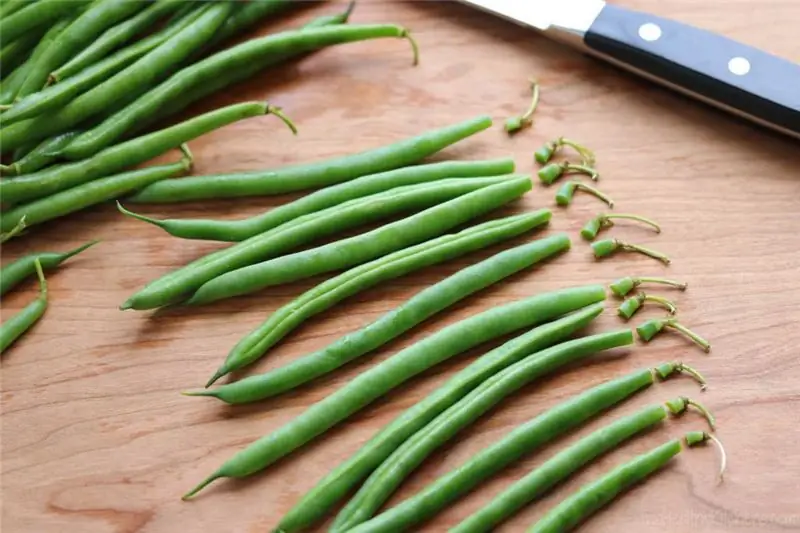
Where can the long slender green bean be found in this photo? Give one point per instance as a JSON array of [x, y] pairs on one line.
[[127, 154], [348, 475], [181, 284], [239, 230], [92, 193], [13, 328], [14, 273], [36, 14], [250, 14], [358, 279], [409, 314], [380, 379], [116, 36], [361, 248], [383, 482], [567, 462], [88, 26], [123, 87], [58, 95], [42, 156], [224, 65], [518, 443]]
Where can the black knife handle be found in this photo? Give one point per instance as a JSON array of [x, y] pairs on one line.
[[718, 70]]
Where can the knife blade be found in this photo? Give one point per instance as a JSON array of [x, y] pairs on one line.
[[714, 69]]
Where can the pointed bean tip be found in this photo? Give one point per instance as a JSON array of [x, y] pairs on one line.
[[222, 371]]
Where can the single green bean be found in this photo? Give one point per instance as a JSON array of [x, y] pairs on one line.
[[623, 286], [250, 14], [383, 482], [14, 273], [361, 248], [123, 87], [358, 279], [224, 65], [36, 14], [12, 84], [181, 284], [127, 154], [117, 36], [385, 376], [605, 221], [60, 94], [92, 193], [17, 325], [344, 478], [561, 466], [409, 314], [239, 230], [521, 441], [592, 497], [86, 28], [40, 157]]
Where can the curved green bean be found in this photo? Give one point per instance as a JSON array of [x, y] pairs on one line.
[[355, 280], [344, 478], [88, 26], [14, 273], [393, 471], [215, 70], [567, 462], [123, 87], [94, 192], [13, 328], [42, 156], [592, 497], [127, 154], [181, 284], [402, 366], [361, 248], [116, 36], [36, 14], [516, 444], [409, 314], [62, 93], [239, 230]]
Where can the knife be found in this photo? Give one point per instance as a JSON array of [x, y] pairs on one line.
[[732, 76]]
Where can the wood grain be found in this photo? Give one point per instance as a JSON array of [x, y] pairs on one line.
[[95, 437]]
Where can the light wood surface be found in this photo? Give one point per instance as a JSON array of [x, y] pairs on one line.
[[96, 438]]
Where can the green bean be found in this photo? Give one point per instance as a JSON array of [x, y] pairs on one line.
[[385, 376], [224, 65], [86, 28], [390, 474], [561, 466], [650, 328], [592, 497], [358, 279], [14, 273], [16, 52], [361, 248], [42, 156], [12, 84], [182, 283], [123, 87], [248, 15], [409, 314], [567, 192], [127, 154], [608, 247], [239, 230], [521, 441], [36, 14], [601, 222], [7, 7], [92, 193], [544, 154], [630, 306], [15, 231], [56, 96], [515, 124], [549, 173], [623, 286], [344, 478], [17, 325], [115, 37]]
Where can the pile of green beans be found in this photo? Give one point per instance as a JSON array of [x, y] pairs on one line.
[[518, 443], [380, 379], [358, 279], [417, 309]]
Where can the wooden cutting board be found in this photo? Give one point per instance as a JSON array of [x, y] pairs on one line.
[[96, 438]]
